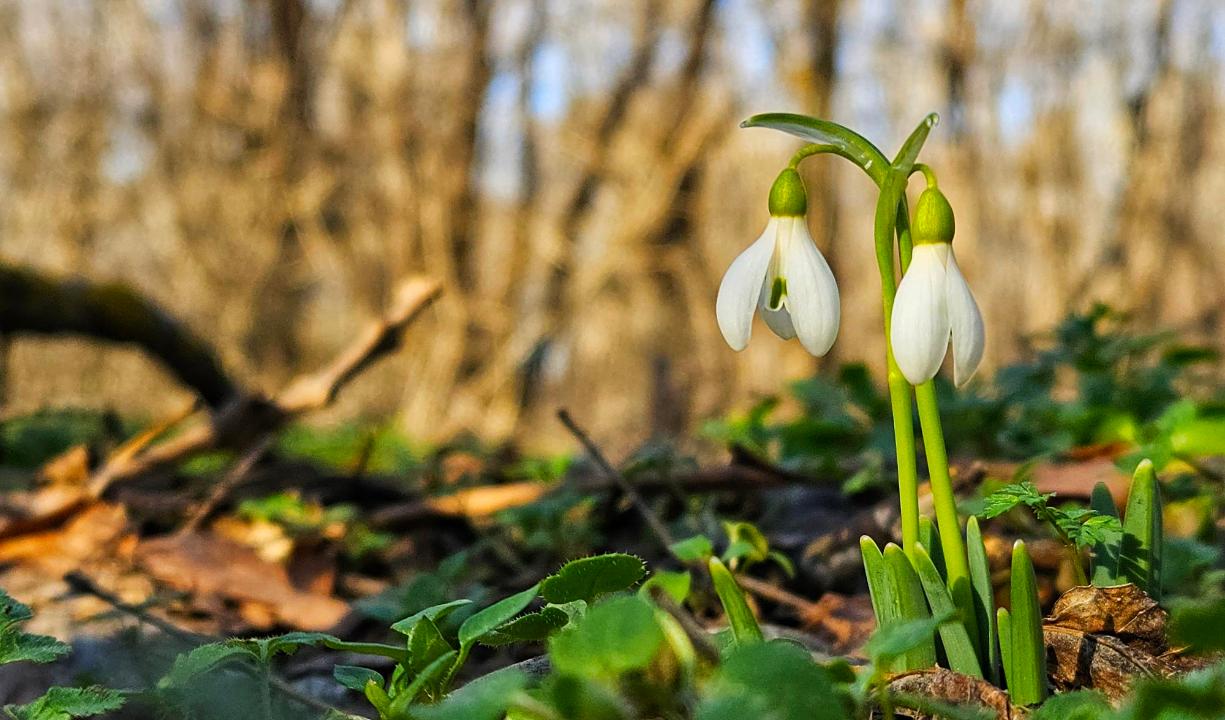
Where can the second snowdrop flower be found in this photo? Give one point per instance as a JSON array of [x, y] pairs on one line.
[[934, 303], [784, 275]]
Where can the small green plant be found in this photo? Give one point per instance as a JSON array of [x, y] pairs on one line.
[[1077, 528], [58, 703]]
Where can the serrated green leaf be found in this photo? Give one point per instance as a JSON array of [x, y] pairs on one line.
[[63, 703], [614, 637], [204, 659], [17, 646], [532, 627], [12, 611], [590, 577]]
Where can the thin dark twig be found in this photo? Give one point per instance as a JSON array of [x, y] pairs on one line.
[[82, 583], [648, 515], [232, 479]]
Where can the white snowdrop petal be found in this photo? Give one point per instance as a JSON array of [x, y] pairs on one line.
[[812, 292], [740, 288], [966, 322], [919, 327]]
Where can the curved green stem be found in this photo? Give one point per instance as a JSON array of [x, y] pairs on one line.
[[834, 139]]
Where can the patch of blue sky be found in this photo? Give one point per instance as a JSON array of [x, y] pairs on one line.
[[1015, 111], [501, 137], [550, 92]]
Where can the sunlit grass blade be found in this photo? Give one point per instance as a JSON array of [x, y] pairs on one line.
[[1027, 684], [1140, 551], [911, 604], [745, 629], [1003, 623], [958, 648], [984, 601], [1105, 561]]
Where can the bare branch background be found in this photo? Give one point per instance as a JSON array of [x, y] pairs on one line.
[[269, 170]]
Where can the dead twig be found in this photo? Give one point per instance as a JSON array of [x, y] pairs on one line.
[[648, 515], [253, 415], [237, 474]]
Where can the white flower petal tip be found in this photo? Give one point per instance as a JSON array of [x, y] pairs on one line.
[[933, 306], [738, 293], [784, 275], [919, 324], [966, 322], [812, 293]]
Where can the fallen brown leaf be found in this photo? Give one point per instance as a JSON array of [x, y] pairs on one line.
[[954, 688], [212, 567], [1101, 662], [1125, 612]]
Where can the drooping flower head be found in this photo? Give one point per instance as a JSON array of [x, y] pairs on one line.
[[933, 302], [784, 275]]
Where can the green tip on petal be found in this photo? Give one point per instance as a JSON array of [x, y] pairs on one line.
[[933, 221], [787, 195]]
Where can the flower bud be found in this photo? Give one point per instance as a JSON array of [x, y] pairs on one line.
[[933, 221], [787, 195]]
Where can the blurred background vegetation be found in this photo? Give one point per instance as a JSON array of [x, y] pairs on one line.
[[571, 170]]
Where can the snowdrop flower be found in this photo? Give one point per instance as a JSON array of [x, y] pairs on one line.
[[784, 275], [933, 302]]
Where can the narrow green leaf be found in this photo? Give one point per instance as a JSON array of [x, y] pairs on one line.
[[1027, 685], [1105, 561], [879, 586], [532, 627], [960, 651], [929, 537], [744, 626], [590, 577], [984, 600], [841, 140], [436, 613], [1140, 552], [911, 605], [1003, 623], [490, 618]]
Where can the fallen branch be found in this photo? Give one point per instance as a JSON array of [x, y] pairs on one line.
[[244, 419], [36, 304]]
